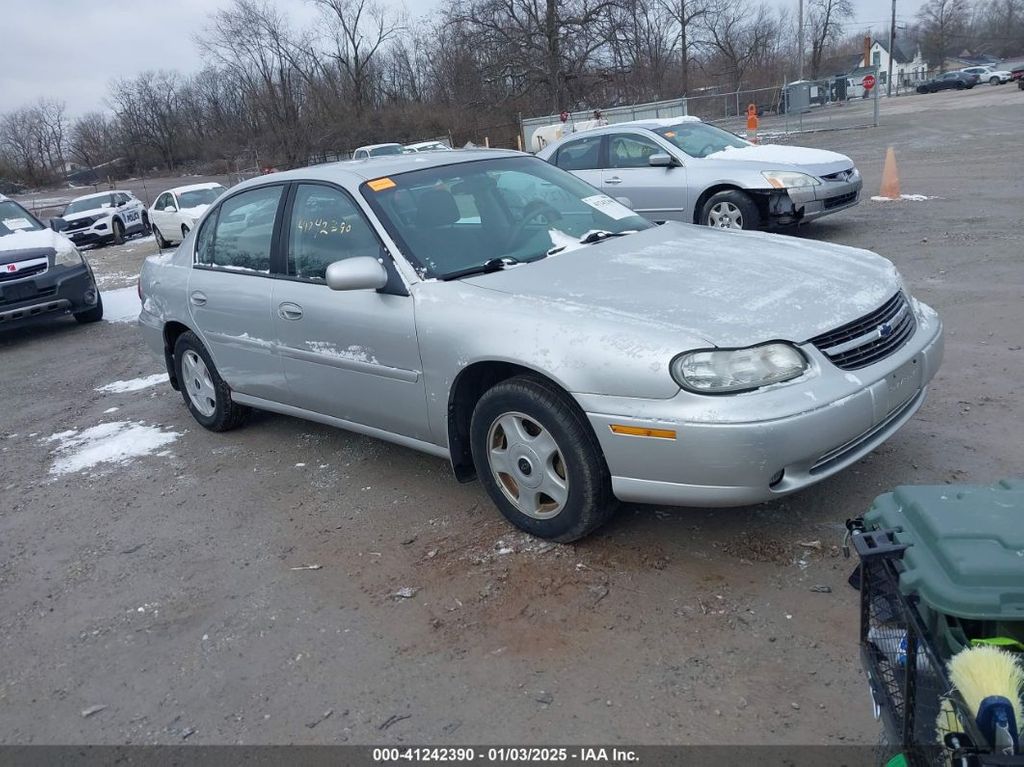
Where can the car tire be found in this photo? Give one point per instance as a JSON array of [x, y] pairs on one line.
[[184, 232], [117, 228], [160, 241], [993, 81], [146, 228], [206, 395], [731, 209], [95, 314], [550, 452]]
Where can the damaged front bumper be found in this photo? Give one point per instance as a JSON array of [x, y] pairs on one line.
[[796, 206]]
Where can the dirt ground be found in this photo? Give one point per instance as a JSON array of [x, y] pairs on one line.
[[164, 588]]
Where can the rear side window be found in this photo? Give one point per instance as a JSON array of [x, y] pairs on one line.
[[326, 226], [241, 234], [584, 154]]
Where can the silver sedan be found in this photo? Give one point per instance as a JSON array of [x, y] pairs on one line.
[[682, 169], [489, 308]]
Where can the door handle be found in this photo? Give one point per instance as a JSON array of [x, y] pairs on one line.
[[613, 180], [289, 311], [197, 297]]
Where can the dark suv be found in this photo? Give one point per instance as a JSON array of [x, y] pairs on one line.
[[41, 271]]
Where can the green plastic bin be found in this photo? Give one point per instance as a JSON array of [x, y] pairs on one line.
[[965, 557]]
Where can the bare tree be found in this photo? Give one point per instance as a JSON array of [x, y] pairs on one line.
[[739, 36], [687, 15], [825, 20], [942, 27]]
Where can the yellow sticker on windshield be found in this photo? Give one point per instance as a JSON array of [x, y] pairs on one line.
[[669, 134], [380, 184]]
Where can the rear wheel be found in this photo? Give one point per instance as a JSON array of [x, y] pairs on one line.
[[145, 225], [540, 461], [731, 209], [91, 315], [118, 229], [993, 81], [206, 394]]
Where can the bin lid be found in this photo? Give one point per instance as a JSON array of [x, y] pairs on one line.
[[966, 546]]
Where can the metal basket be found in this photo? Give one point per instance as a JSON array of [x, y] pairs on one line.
[[924, 718]]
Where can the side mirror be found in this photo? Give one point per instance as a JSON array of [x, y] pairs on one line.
[[57, 224], [169, 209], [362, 273], [661, 160]]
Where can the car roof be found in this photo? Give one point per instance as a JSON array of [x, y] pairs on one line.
[[355, 172], [378, 146], [100, 194], [193, 187]]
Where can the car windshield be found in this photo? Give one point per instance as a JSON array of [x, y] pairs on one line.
[[196, 197], [699, 139], [380, 151], [455, 218], [14, 218], [87, 203]]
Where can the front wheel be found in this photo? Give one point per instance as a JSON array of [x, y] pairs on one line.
[[205, 393], [731, 209], [146, 229], [118, 229], [160, 241], [184, 232], [993, 81], [539, 460]]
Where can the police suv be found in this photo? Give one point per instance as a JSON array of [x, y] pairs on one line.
[[106, 217]]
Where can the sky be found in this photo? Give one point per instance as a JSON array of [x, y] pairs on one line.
[[71, 50]]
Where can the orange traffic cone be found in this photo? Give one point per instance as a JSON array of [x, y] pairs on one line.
[[890, 177]]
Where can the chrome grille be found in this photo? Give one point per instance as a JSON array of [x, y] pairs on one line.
[[871, 338]]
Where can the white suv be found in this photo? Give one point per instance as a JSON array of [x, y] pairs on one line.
[[106, 217], [989, 75]]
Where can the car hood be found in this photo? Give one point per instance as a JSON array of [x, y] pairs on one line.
[[20, 246], [85, 213], [195, 211], [818, 161], [730, 289]]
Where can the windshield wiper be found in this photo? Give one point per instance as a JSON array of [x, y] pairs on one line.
[[488, 266], [594, 235]]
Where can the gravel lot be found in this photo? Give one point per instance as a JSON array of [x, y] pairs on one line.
[[165, 588]]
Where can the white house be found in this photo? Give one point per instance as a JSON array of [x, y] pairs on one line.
[[907, 71]]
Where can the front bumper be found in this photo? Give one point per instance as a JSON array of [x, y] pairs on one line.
[[82, 237], [809, 203], [58, 289], [744, 449]]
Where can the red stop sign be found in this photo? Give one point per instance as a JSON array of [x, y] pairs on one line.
[[868, 82]]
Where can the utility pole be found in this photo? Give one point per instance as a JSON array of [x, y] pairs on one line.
[[800, 41], [892, 37]]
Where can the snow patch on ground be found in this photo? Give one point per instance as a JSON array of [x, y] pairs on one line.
[[122, 305], [907, 197], [118, 442], [117, 387]]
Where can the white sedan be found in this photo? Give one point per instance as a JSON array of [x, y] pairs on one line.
[[175, 212], [989, 75]]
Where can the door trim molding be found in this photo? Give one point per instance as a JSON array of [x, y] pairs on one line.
[[347, 363]]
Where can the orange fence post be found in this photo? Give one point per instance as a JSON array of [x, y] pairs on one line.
[[752, 123]]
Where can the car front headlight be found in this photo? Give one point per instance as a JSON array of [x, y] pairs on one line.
[[67, 255], [721, 371], [788, 179]]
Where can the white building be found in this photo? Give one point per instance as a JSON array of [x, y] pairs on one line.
[[907, 71]]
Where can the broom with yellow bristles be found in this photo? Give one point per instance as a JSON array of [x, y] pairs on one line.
[[991, 683]]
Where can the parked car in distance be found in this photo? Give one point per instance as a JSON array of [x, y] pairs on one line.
[[492, 309], [989, 75], [1017, 74], [426, 146], [376, 150], [682, 169], [41, 271], [104, 218], [175, 212], [958, 80]]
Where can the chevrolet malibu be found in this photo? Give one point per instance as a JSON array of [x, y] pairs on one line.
[[492, 309], [682, 169]]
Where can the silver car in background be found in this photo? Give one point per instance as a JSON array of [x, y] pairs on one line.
[[489, 308], [682, 169]]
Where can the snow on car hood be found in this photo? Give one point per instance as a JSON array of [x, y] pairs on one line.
[[820, 160], [729, 288], [91, 212], [26, 244]]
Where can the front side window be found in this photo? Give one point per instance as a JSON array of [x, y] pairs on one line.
[[630, 151], [460, 217], [166, 201], [240, 235], [326, 226], [584, 154], [699, 139]]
